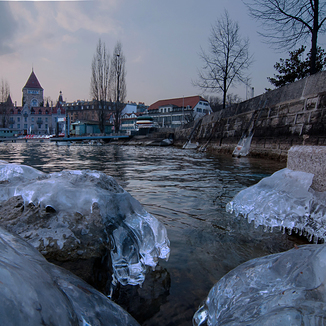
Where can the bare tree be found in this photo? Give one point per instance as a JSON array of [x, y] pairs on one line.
[[288, 22], [5, 102], [118, 82], [227, 60], [232, 99], [100, 82], [5, 90]]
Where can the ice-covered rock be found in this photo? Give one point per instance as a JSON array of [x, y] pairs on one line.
[[284, 200], [35, 292], [77, 214], [281, 289]]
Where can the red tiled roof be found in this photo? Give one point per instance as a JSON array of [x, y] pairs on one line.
[[32, 82], [192, 101]]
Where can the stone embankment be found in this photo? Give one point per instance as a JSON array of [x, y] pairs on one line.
[[278, 119]]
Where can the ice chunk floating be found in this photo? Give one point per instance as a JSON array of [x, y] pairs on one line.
[[284, 200], [135, 238], [281, 289]]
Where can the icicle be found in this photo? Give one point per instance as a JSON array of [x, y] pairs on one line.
[[112, 286]]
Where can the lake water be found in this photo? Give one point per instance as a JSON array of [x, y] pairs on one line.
[[187, 191]]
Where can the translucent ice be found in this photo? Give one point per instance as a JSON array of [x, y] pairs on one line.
[[35, 292], [283, 200], [282, 289], [137, 238], [243, 147]]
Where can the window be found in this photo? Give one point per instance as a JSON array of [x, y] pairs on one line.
[[46, 126], [39, 111], [25, 119], [18, 119], [25, 125], [34, 102], [199, 110], [32, 119], [32, 111], [18, 111], [32, 126], [18, 125], [46, 119]]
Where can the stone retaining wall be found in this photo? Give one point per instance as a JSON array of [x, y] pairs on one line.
[[291, 115]]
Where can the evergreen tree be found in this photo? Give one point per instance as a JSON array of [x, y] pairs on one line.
[[296, 68]]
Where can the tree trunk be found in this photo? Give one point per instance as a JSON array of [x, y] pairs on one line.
[[117, 117], [314, 39], [224, 92]]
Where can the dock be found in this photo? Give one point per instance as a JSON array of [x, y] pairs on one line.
[[89, 138]]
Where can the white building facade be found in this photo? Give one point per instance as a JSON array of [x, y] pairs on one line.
[[173, 113]]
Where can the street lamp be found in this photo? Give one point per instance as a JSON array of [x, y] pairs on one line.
[[118, 68]]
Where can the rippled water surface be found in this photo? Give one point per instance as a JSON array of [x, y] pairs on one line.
[[187, 191]]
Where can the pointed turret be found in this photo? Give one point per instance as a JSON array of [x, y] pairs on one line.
[[60, 98], [33, 82], [32, 92]]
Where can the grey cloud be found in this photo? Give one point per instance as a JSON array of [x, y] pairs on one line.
[[8, 27]]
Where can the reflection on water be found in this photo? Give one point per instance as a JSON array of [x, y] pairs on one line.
[[187, 191]]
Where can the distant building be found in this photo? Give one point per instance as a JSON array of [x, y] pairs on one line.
[[132, 107], [173, 113], [129, 116], [82, 116], [33, 117], [129, 122]]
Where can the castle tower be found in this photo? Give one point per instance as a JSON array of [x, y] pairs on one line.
[[32, 92]]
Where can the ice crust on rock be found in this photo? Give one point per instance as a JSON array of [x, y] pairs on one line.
[[281, 289], [35, 292], [284, 200], [137, 238]]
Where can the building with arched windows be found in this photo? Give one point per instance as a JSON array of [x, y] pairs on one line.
[[33, 117]]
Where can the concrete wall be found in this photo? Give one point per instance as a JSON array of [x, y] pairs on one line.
[[291, 115]]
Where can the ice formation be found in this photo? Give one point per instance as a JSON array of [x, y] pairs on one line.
[[35, 292], [281, 289], [137, 238], [243, 147], [284, 200]]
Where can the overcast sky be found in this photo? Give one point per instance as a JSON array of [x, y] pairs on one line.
[[161, 41]]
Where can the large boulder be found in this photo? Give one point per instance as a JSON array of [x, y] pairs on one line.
[[35, 292], [286, 201], [281, 289], [81, 215]]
